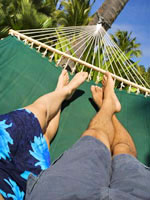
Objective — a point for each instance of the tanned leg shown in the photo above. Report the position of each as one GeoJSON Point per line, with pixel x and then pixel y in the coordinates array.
{"type": "Point", "coordinates": [48, 106]}
{"type": "Point", "coordinates": [122, 143]}
{"type": "Point", "coordinates": [41, 108]}
{"type": "Point", "coordinates": [1, 198]}
{"type": "Point", "coordinates": [54, 122]}
{"type": "Point", "coordinates": [101, 126]}
{"type": "Point", "coordinates": [52, 128]}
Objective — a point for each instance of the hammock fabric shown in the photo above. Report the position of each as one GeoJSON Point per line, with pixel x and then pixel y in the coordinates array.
{"type": "Point", "coordinates": [25, 75]}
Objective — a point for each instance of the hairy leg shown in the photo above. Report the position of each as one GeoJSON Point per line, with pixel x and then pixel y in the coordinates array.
{"type": "Point", "coordinates": [48, 106]}
{"type": "Point", "coordinates": [101, 126]}
{"type": "Point", "coordinates": [122, 143]}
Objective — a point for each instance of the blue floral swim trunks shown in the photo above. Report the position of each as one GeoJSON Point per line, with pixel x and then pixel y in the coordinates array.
{"type": "Point", "coordinates": [23, 150]}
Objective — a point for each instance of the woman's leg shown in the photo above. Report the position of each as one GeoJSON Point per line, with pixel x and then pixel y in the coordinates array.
{"type": "Point", "coordinates": [47, 108]}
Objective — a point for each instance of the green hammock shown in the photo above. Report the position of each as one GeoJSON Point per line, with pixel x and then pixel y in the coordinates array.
{"type": "Point", "coordinates": [25, 75]}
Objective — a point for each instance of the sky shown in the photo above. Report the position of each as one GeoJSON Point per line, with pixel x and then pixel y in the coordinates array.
{"type": "Point", "coordinates": [135, 18]}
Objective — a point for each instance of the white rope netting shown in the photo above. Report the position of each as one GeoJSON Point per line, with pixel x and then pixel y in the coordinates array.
{"type": "Point", "coordinates": [86, 48]}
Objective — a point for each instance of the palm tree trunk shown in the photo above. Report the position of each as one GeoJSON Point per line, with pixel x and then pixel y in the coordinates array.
{"type": "Point", "coordinates": [109, 10]}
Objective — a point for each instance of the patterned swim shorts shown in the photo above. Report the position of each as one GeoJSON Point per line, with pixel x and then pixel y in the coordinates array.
{"type": "Point", "coordinates": [23, 150]}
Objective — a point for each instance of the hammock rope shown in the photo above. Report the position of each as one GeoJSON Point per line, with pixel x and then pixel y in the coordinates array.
{"type": "Point", "coordinates": [86, 47]}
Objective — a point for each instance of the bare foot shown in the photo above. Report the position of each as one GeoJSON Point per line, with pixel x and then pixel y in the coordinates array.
{"type": "Point", "coordinates": [109, 93]}
{"type": "Point", "coordinates": [97, 94]}
{"type": "Point", "coordinates": [77, 80]}
{"type": "Point", "coordinates": [63, 79]}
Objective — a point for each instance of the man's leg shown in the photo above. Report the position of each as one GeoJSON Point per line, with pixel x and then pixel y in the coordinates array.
{"type": "Point", "coordinates": [130, 178]}
{"type": "Point", "coordinates": [123, 143]}
{"type": "Point", "coordinates": [101, 127]}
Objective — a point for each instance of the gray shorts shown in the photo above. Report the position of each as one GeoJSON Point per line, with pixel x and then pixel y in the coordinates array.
{"type": "Point", "coordinates": [87, 172]}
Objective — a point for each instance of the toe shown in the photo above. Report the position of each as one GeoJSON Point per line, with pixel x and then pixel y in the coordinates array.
{"type": "Point", "coordinates": [107, 74]}
{"type": "Point", "coordinates": [103, 82]}
{"type": "Point", "coordinates": [104, 77]}
{"type": "Point", "coordinates": [99, 89]}
{"type": "Point", "coordinates": [92, 88]}
{"type": "Point", "coordinates": [67, 76]}
{"type": "Point", "coordinates": [85, 75]}
{"type": "Point", "coordinates": [64, 72]}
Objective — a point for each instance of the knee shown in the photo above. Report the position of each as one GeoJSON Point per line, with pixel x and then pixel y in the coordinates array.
{"type": "Point", "coordinates": [122, 148]}
{"type": "Point", "coordinates": [40, 107]}
{"type": "Point", "coordinates": [40, 112]}
{"type": "Point", "coordinates": [93, 132]}
{"type": "Point", "coordinates": [99, 135]}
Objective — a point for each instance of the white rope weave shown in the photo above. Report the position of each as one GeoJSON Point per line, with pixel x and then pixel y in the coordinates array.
{"type": "Point", "coordinates": [86, 47]}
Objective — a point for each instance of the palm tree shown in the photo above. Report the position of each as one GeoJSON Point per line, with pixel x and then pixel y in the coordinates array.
{"type": "Point", "coordinates": [109, 10]}
{"type": "Point", "coordinates": [3, 27]}
{"type": "Point", "coordinates": [74, 12]}
{"type": "Point", "coordinates": [28, 17]}
{"type": "Point", "coordinates": [126, 43]}
{"type": "Point", "coordinates": [21, 14]}
{"type": "Point", "coordinates": [47, 7]}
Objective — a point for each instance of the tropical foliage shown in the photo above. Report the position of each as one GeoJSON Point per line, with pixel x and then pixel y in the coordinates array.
{"type": "Point", "coordinates": [113, 62]}
{"type": "Point", "coordinates": [75, 12]}
{"type": "Point", "coordinates": [126, 43]}
{"type": "Point", "coordinates": [144, 72]}
{"type": "Point", "coordinates": [129, 47]}
{"type": "Point", "coordinates": [21, 14]}
{"type": "Point", "coordinates": [32, 14]}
